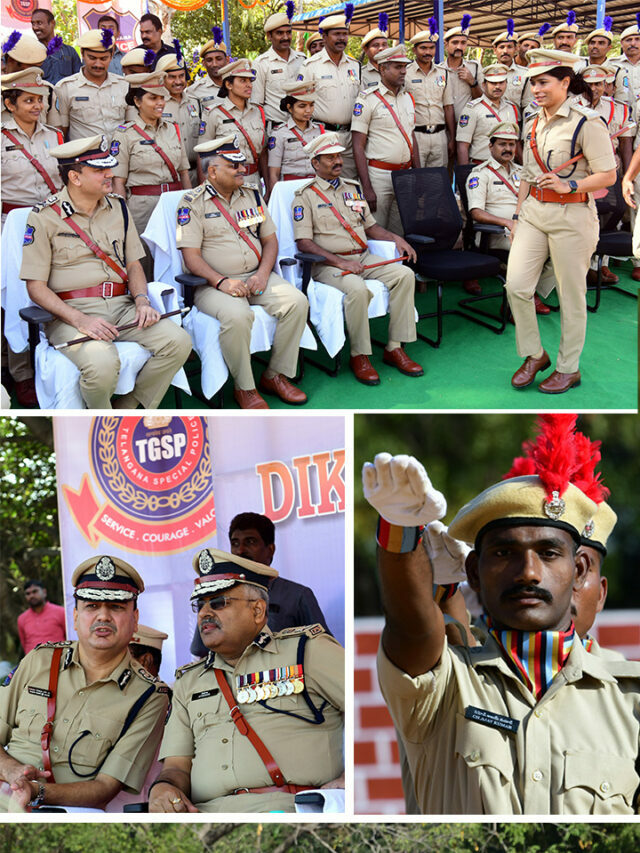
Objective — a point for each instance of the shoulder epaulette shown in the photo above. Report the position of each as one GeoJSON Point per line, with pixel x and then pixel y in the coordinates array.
{"type": "Point", "coordinates": [52, 199]}
{"type": "Point", "coordinates": [472, 103]}
{"type": "Point", "coordinates": [370, 89]}
{"type": "Point", "coordinates": [304, 186]}
{"type": "Point", "coordinates": [193, 194]}
{"type": "Point", "coordinates": [585, 111]}
{"type": "Point", "coordinates": [351, 181]}
{"type": "Point", "coordinates": [125, 126]}
{"type": "Point", "coordinates": [145, 675]}
{"type": "Point", "coordinates": [308, 630]}
{"type": "Point", "coordinates": [187, 666]}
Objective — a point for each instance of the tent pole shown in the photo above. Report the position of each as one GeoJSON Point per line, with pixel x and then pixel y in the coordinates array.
{"type": "Point", "coordinates": [225, 25]}
{"type": "Point", "coordinates": [401, 21]}
{"type": "Point", "coordinates": [438, 14]}
{"type": "Point", "coordinates": [600, 11]}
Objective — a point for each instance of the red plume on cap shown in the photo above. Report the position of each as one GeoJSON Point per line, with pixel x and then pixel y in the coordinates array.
{"type": "Point", "coordinates": [522, 466]}
{"type": "Point", "coordinates": [588, 456]}
{"type": "Point", "coordinates": [554, 453]}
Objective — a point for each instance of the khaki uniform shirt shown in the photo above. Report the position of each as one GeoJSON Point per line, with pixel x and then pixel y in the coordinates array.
{"type": "Point", "coordinates": [487, 192]}
{"type": "Point", "coordinates": [185, 113]}
{"type": "Point", "coordinates": [271, 72]}
{"type": "Point", "coordinates": [251, 119]}
{"type": "Point", "coordinates": [86, 108]}
{"type": "Point", "coordinates": [139, 164]}
{"type": "Point", "coordinates": [479, 119]}
{"type": "Point", "coordinates": [21, 182]}
{"type": "Point", "coordinates": [54, 253]}
{"type": "Point", "coordinates": [574, 751]}
{"type": "Point", "coordinates": [431, 93]}
{"type": "Point", "coordinates": [223, 760]}
{"type": "Point", "coordinates": [622, 91]}
{"type": "Point", "coordinates": [554, 139]}
{"type": "Point", "coordinates": [337, 86]}
{"type": "Point", "coordinates": [99, 708]}
{"type": "Point", "coordinates": [370, 116]}
{"type": "Point", "coordinates": [370, 76]}
{"type": "Point", "coordinates": [205, 91]}
{"type": "Point", "coordinates": [313, 218]}
{"type": "Point", "coordinates": [202, 226]}
{"type": "Point", "coordinates": [461, 91]}
{"type": "Point", "coordinates": [515, 84]}
{"type": "Point", "coordinates": [286, 151]}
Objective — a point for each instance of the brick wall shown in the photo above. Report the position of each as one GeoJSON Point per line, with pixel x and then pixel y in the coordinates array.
{"type": "Point", "coordinates": [377, 772]}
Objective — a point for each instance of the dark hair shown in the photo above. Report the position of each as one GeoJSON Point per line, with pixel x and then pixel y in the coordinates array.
{"type": "Point", "coordinates": [109, 18]}
{"type": "Point", "coordinates": [63, 171]}
{"type": "Point", "coordinates": [153, 19]}
{"type": "Point", "coordinates": [138, 649]}
{"type": "Point", "coordinates": [577, 86]}
{"type": "Point", "coordinates": [223, 91]}
{"type": "Point", "coordinates": [33, 582]}
{"type": "Point", "coordinates": [48, 15]}
{"type": "Point", "coordinates": [254, 521]}
{"type": "Point", "coordinates": [286, 102]}
{"type": "Point", "coordinates": [136, 92]}
{"type": "Point", "coordinates": [11, 95]}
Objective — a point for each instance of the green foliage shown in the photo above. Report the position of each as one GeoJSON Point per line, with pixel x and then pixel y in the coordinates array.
{"type": "Point", "coordinates": [66, 20]}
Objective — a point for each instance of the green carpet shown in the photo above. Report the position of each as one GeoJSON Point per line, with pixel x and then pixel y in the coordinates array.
{"type": "Point", "coordinates": [472, 369]}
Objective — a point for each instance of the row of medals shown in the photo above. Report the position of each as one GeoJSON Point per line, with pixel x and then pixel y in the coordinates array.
{"type": "Point", "coordinates": [269, 690]}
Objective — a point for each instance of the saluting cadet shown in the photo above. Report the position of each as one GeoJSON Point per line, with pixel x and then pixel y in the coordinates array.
{"type": "Point", "coordinates": [279, 65]}
{"type": "Point", "coordinates": [383, 137]}
{"type": "Point", "coordinates": [81, 720]}
{"type": "Point", "coordinates": [81, 261]}
{"type": "Point", "coordinates": [331, 218]}
{"type": "Point", "coordinates": [432, 94]}
{"type": "Point", "coordinates": [505, 47]}
{"type": "Point", "coordinates": [234, 114]}
{"type": "Point", "coordinates": [374, 41]}
{"type": "Point", "coordinates": [288, 160]}
{"type": "Point", "coordinates": [565, 35]}
{"type": "Point", "coordinates": [599, 43]}
{"type": "Point", "coordinates": [180, 107]}
{"type": "Point", "coordinates": [481, 116]}
{"type": "Point", "coordinates": [557, 217]}
{"type": "Point", "coordinates": [151, 156]}
{"type": "Point", "coordinates": [93, 100]}
{"type": "Point", "coordinates": [286, 689]}
{"type": "Point", "coordinates": [227, 236]}
{"type": "Point", "coordinates": [465, 75]}
{"type": "Point", "coordinates": [337, 79]}
{"type": "Point", "coordinates": [214, 57]}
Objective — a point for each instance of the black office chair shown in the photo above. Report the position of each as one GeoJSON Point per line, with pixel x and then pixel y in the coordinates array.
{"type": "Point", "coordinates": [471, 228]}
{"type": "Point", "coordinates": [432, 222]}
{"type": "Point", "coordinates": [611, 209]}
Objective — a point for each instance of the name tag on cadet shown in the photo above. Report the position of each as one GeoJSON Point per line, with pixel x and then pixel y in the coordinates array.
{"type": "Point", "coordinates": [204, 694]}
{"type": "Point", "coordinates": [84, 98]}
{"type": "Point", "coordinates": [250, 216]}
{"type": "Point", "coordinates": [39, 691]}
{"type": "Point", "coordinates": [214, 215]}
{"type": "Point", "coordinates": [277, 70]}
{"type": "Point", "coordinates": [489, 718]}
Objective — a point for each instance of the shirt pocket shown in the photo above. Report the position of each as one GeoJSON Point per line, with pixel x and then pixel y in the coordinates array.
{"type": "Point", "coordinates": [90, 741]}
{"type": "Point", "coordinates": [67, 248]}
{"type": "Point", "coordinates": [29, 722]}
{"type": "Point", "coordinates": [207, 714]}
{"type": "Point", "coordinates": [483, 747]}
{"type": "Point", "coordinates": [608, 781]}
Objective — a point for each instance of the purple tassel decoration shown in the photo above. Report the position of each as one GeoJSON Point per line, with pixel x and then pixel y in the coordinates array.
{"type": "Point", "coordinates": [12, 41]}
{"type": "Point", "coordinates": [54, 45]}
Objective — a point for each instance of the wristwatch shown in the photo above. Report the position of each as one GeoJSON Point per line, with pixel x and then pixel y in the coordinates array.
{"type": "Point", "coordinates": [38, 800]}
{"type": "Point", "coordinates": [573, 186]}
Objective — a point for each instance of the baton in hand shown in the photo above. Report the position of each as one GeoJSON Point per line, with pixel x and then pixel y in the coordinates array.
{"type": "Point", "coordinates": [132, 325]}
{"type": "Point", "coordinates": [373, 266]}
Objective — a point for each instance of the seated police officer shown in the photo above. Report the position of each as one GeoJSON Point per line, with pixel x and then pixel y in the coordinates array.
{"type": "Point", "coordinates": [81, 261]}
{"type": "Point", "coordinates": [226, 235]}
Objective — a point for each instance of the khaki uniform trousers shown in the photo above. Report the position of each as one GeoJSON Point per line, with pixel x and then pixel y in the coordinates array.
{"type": "Point", "coordinates": [433, 149]}
{"type": "Point", "coordinates": [399, 281]}
{"type": "Point", "coordinates": [569, 234]}
{"type": "Point", "coordinates": [349, 170]}
{"type": "Point", "coordinates": [280, 300]}
{"type": "Point", "coordinates": [386, 213]}
{"type": "Point", "coordinates": [547, 281]}
{"type": "Point", "coordinates": [98, 361]}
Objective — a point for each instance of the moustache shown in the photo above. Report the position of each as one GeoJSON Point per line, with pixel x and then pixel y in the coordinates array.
{"type": "Point", "coordinates": [529, 590]}
{"type": "Point", "coordinates": [100, 626]}
{"type": "Point", "coordinates": [209, 620]}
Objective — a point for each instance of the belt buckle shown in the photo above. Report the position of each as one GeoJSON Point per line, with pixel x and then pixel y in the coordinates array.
{"type": "Point", "coordinates": [164, 188]}
{"type": "Point", "coordinates": [106, 295]}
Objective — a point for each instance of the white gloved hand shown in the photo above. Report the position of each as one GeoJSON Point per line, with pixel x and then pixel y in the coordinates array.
{"type": "Point", "coordinates": [446, 554]}
{"type": "Point", "coordinates": [400, 490]}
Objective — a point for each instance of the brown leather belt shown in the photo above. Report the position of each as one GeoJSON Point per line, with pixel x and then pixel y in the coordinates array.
{"type": "Point", "coordinates": [558, 198]}
{"type": "Point", "coordinates": [296, 177]}
{"type": "Point", "coordinates": [352, 252]}
{"type": "Point", "coordinates": [273, 789]}
{"type": "Point", "coordinates": [155, 189]}
{"type": "Point", "coordinates": [389, 167]}
{"type": "Point", "coordinates": [429, 128]}
{"type": "Point", "coordinates": [105, 290]}
{"type": "Point", "coordinates": [251, 170]}
{"type": "Point", "coordinates": [7, 207]}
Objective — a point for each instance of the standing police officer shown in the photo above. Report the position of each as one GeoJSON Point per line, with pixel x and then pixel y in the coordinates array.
{"type": "Point", "coordinates": [277, 66]}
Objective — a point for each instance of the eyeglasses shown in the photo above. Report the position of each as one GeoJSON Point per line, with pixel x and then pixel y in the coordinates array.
{"type": "Point", "coordinates": [218, 603]}
{"type": "Point", "coordinates": [234, 166]}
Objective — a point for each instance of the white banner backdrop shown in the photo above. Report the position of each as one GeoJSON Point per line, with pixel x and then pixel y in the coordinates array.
{"type": "Point", "coordinates": [154, 490]}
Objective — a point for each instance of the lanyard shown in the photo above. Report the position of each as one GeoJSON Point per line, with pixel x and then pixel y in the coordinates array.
{"type": "Point", "coordinates": [94, 248]}
{"type": "Point", "coordinates": [397, 121]}
{"type": "Point", "coordinates": [341, 220]}
{"type": "Point", "coordinates": [235, 226]}
{"type": "Point", "coordinates": [163, 154]}
{"type": "Point", "coordinates": [504, 180]}
{"type": "Point", "coordinates": [252, 147]}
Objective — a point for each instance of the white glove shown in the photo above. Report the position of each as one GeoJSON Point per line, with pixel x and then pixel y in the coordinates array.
{"type": "Point", "coordinates": [446, 554]}
{"type": "Point", "coordinates": [400, 490]}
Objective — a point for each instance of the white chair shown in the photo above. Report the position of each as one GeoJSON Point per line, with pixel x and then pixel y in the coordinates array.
{"type": "Point", "coordinates": [325, 302]}
{"type": "Point", "coordinates": [160, 236]}
{"type": "Point", "coordinates": [56, 376]}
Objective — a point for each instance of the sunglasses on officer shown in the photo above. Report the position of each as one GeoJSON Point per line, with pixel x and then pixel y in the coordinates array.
{"type": "Point", "coordinates": [218, 603]}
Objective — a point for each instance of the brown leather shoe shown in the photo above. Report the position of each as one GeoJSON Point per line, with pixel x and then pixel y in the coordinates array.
{"type": "Point", "coordinates": [363, 370]}
{"type": "Point", "coordinates": [541, 308]}
{"type": "Point", "coordinates": [26, 393]}
{"type": "Point", "coordinates": [558, 383]}
{"type": "Point", "coordinates": [281, 387]}
{"type": "Point", "coordinates": [609, 277]}
{"type": "Point", "coordinates": [524, 375]}
{"type": "Point", "coordinates": [249, 399]}
{"type": "Point", "coordinates": [472, 287]}
{"type": "Point", "coordinates": [635, 275]}
{"type": "Point", "coordinates": [398, 358]}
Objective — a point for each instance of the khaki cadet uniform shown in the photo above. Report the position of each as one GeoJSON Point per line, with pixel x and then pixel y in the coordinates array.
{"type": "Point", "coordinates": [223, 760]}
{"type": "Point", "coordinates": [140, 165]}
{"type": "Point", "coordinates": [206, 91]}
{"type": "Point", "coordinates": [431, 93]}
{"type": "Point", "coordinates": [549, 765]}
{"type": "Point", "coordinates": [314, 220]}
{"type": "Point", "coordinates": [386, 148]}
{"type": "Point", "coordinates": [286, 150]}
{"type": "Point", "coordinates": [186, 114]}
{"type": "Point", "coordinates": [271, 72]}
{"type": "Point", "coordinates": [22, 184]}
{"type": "Point", "coordinates": [461, 91]}
{"type": "Point", "coordinates": [97, 710]}
{"type": "Point", "coordinates": [616, 116]}
{"type": "Point", "coordinates": [515, 84]}
{"type": "Point", "coordinates": [86, 108]}
{"type": "Point", "coordinates": [622, 91]}
{"type": "Point", "coordinates": [370, 76]}
{"type": "Point", "coordinates": [628, 80]}
{"type": "Point", "coordinates": [567, 232]}
{"type": "Point", "coordinates": [202, 226]}
{"type": "Point", "coordinates": [337, 88]}
{"type": "Point", "coordinates": [252, 119]}
{"type": "Point", "coordinates": [477, 121]}
{"type": "Point", "coordinates": [53, 253]}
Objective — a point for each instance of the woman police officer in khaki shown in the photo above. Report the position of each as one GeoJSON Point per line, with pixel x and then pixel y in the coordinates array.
{"type": "Point", "coordinates": [150, 152]}
{"type": "Point", "coordinates": [287, 158]}
{"type": "Point", "coordinates": [556, 216]}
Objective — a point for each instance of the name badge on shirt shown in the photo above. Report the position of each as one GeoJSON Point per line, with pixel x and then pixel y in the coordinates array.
{"type": "Point", "coordinates": [39, 691]}
{"type": "Point", "coordinates": [83, 98]}
{"type": "Point", "coordinates": [489, 718]}
{"type": "Point", "coordinates": [277, 70]}
{"type": "Point", "coordinates": [204, 694]}
{"type": "Point", "coordinates": [212, 215]}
